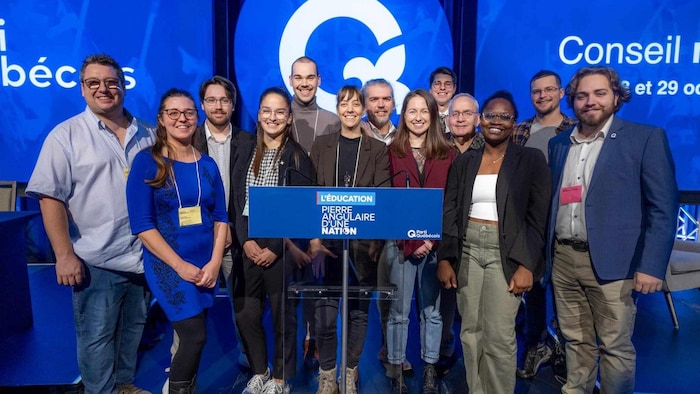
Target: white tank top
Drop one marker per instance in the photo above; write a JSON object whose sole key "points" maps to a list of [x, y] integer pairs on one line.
{"points": [[484, 198]]}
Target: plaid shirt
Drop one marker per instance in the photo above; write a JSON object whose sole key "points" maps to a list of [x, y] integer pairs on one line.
{"points": [[522, 130]]}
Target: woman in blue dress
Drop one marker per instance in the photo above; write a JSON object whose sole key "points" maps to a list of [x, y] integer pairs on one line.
{"points": [[176, 204]]}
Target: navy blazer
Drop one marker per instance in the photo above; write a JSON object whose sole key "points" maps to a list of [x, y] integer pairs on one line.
{"points": [[523, 191], [631, 202]]}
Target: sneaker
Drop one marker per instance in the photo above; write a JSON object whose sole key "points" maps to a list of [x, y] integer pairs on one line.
{"points": [[398, 385], [559, 363], [274, 387], [130, 389], [256, 384], [535, 357], [351, 379], [430, 385], [311, 362], [326, 382]]}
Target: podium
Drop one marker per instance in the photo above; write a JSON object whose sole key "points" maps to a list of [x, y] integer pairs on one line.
{"points": [[16, 313], [343, 213]]}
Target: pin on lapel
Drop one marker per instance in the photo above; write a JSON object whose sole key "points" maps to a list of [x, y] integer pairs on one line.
{"points": [[613, 135]]}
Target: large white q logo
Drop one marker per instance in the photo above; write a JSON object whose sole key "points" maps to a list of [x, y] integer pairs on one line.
{"points": [[371, 13]]}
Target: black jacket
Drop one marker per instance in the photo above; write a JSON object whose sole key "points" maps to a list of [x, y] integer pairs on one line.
{"points": [[293, 157], [523, 193]]}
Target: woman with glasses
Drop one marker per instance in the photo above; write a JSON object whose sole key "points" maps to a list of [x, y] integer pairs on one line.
{"points": [[421, 150], [176, 205], [495, 213], [347, 158], [266, 268]]}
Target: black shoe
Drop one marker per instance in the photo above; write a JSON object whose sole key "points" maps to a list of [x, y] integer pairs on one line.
{"points": [[430, 385], [445, 363], [536, 356], [398, 385]]}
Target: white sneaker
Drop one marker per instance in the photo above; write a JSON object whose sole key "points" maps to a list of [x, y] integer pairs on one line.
{"points": [[256, 384], [274, 387]]}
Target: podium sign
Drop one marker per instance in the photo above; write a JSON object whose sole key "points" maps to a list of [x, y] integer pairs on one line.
{"points": [[345, 213]]}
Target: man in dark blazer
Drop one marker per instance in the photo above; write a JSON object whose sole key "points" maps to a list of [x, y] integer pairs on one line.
{"points": [[611, 229], [218, 138]]}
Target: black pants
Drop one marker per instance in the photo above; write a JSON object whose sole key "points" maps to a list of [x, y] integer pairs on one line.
{"points": [[326, 314], [535, 315], [252, 285], [192, 334]]}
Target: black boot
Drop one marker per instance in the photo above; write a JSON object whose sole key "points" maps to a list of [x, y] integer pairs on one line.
{"points": [[184, 387]]}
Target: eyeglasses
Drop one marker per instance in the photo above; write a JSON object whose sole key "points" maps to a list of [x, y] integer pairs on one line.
{"points": [[490, 116], [279, 113], [214, 100], [174, 114], [110, 83], [466, 114], [446, 84], [548, 90]]}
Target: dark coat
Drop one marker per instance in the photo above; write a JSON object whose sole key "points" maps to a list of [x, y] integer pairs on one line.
{"points": [[372, 167]]}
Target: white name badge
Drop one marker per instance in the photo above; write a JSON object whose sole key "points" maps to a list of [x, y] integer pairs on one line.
{"points": [[190, 216]]}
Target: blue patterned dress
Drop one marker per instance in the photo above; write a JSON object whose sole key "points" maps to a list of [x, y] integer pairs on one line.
{"points": [[157, 208]]}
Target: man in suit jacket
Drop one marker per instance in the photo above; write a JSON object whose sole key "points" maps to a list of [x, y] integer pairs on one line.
{"points": [[611, 229], [218, 138]]}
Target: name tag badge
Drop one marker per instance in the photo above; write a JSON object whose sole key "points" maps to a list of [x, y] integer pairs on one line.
{"points": [[126, 172], [190, 216], [570, 194]]}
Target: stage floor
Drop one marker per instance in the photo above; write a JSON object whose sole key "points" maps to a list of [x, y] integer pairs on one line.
{"points": [[43, 360]]}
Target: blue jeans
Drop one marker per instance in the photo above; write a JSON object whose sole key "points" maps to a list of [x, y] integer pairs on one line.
{"points": [[403, 273], [109, 312]]}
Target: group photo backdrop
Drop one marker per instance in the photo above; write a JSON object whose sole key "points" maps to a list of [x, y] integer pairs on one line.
{"points": [[492, 45], [159, 44], [653, 44]]}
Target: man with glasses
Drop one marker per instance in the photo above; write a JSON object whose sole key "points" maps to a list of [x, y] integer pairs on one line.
{"points": [[80, 181], [218, 138], [463, 117], [443, 85], [545, 93]]}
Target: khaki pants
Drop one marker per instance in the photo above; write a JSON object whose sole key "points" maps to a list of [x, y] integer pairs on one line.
{"points": [[586, 307]]}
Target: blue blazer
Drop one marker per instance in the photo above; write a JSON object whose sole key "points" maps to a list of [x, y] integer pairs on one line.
{"points": [[631, 202]]}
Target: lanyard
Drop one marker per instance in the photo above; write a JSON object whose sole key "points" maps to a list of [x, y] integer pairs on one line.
{"points": [[357, 160], [199, 184]]}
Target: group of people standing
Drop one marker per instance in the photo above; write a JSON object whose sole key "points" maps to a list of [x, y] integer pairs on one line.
{"points": [[585, 206]]}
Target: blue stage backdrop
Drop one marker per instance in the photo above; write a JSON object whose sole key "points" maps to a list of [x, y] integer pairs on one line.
{"points": [[159, 44], [352, 41], [654, 45]]}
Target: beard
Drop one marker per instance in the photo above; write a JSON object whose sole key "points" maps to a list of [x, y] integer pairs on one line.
{"points": [[594, 119], [548, 110], [377, 122]]}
